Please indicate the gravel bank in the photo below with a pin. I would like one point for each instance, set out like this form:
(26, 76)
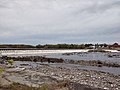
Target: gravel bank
(43, 74)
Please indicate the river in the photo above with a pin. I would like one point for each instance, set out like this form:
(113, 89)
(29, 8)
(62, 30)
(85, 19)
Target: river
(78, 55)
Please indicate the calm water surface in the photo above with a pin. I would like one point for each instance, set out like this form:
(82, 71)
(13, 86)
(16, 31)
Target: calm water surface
(113, 70)
(86, 56)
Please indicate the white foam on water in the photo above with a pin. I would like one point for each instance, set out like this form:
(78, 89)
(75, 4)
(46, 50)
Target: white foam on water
(22, 52)
(112, 50)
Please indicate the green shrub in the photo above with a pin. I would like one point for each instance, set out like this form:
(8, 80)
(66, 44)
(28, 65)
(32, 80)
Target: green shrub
(44, 87)
(11, 61)
(2, 70)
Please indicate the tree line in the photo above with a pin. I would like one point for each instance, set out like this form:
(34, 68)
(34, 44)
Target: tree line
(16, 46)
(54, 46)
(65, 46)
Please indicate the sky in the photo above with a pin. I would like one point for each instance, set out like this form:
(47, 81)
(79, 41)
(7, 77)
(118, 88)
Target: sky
(59, 21)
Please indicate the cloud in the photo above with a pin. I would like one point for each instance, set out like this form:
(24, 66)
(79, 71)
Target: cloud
(59, 21)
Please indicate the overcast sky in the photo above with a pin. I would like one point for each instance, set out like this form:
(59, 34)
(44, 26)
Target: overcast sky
(59, 21)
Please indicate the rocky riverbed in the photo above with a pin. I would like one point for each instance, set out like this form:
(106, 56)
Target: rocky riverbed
(74, 79)
(92, 78)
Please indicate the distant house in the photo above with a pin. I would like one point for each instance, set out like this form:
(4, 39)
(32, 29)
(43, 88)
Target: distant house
(115, 46)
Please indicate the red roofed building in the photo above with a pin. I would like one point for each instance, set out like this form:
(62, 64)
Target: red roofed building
(115, 46)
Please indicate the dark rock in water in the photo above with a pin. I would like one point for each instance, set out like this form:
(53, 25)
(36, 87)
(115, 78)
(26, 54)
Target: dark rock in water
(37, 59)
(24, 64)
(99, 65)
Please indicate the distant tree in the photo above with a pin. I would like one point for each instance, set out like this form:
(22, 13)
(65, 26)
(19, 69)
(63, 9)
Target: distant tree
(105, 45)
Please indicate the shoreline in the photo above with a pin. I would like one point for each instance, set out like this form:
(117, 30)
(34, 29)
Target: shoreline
(98, 63)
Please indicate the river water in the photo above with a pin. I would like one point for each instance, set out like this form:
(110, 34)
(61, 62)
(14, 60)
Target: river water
(78, 55)
(112, 70)
(87, 56)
